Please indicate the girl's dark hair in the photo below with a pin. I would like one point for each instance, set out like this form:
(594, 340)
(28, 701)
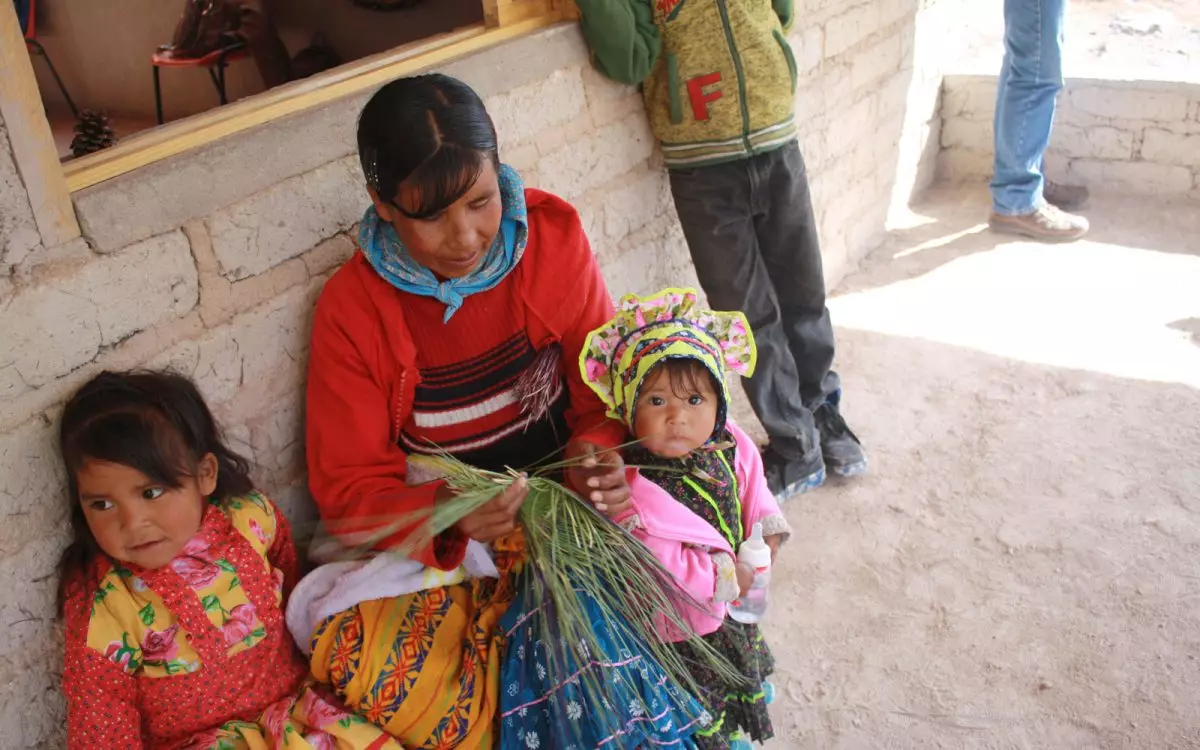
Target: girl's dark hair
(431, 131)
(152, 421)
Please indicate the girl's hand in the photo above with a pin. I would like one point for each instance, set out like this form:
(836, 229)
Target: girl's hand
(497, 517)
(600, 478)
(745, 577)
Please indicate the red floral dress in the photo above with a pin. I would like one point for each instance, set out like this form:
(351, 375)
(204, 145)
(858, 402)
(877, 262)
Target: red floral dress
(196, 654)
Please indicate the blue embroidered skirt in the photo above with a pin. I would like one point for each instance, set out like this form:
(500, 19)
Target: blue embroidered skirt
(638, 707)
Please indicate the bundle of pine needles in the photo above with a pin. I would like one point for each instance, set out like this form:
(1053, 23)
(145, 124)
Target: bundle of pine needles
(572, 549)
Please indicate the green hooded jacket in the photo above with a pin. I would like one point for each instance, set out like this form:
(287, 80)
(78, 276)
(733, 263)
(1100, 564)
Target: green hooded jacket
(718, 76)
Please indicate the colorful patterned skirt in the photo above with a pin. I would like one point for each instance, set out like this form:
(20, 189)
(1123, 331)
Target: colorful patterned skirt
(734, 708)
(425, 667)
(639, 708)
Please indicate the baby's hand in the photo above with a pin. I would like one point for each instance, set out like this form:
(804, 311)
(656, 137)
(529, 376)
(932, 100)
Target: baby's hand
(599, 476)
(774, 541)
(745, 577)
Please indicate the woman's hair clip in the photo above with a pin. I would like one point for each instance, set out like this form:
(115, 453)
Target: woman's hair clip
(370, 163)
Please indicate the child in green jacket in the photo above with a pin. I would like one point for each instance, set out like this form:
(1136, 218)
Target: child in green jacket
(719, 80)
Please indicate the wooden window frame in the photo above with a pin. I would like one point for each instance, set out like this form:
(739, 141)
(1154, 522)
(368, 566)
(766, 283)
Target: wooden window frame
(50, 182)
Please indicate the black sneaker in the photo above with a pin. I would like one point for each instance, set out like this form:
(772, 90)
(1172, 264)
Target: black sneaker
(843, 453)
(789, 477)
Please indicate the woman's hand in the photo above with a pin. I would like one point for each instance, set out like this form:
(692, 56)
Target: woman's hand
(600, 477)
(497, 517)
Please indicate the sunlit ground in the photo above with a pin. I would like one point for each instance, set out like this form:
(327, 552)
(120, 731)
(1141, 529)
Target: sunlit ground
(1124, 301)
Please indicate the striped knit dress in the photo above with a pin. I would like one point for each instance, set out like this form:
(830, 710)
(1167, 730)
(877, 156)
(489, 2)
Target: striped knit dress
(466, 402)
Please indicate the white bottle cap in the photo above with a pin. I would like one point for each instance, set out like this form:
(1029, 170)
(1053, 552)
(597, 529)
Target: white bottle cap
(754, 551)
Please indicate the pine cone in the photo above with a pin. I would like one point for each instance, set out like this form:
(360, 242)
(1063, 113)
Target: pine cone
(93, 132)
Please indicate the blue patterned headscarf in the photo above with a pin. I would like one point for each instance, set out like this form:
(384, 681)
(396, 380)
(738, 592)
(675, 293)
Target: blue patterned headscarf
(387, 255)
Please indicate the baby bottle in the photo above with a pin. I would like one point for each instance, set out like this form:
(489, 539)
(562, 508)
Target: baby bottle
(755, 553)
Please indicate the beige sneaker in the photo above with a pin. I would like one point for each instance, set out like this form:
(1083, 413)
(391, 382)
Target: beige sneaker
(1046, 224)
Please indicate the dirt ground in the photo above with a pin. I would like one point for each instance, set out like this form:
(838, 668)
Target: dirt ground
(1021, 567)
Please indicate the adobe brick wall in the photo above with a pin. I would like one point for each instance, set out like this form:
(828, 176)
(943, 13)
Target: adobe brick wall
(1131, 136)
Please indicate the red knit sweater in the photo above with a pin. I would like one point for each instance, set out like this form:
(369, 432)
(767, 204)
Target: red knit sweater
(371, 343)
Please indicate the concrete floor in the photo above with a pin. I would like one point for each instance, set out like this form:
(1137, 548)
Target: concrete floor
(1021, 568)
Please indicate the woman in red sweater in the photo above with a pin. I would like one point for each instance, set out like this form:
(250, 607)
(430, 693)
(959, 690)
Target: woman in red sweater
(448, 331)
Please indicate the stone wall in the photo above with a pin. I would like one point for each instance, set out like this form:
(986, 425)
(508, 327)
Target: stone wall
(210, 262)
(1133, 136)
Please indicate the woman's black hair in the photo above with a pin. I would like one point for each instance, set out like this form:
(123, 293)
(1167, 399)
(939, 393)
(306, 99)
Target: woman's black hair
(152, 421)
(431, 131)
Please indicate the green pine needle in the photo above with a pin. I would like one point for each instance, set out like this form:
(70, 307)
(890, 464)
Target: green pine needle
(569, 545)
(571, 548)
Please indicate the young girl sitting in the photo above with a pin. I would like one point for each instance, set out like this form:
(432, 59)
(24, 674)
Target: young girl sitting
(660, 366)
(172, 591)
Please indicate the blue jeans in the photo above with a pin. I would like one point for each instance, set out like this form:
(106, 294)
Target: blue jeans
(1030, 80)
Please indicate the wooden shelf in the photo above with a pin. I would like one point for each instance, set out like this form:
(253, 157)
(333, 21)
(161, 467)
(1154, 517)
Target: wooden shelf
(505, 20)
